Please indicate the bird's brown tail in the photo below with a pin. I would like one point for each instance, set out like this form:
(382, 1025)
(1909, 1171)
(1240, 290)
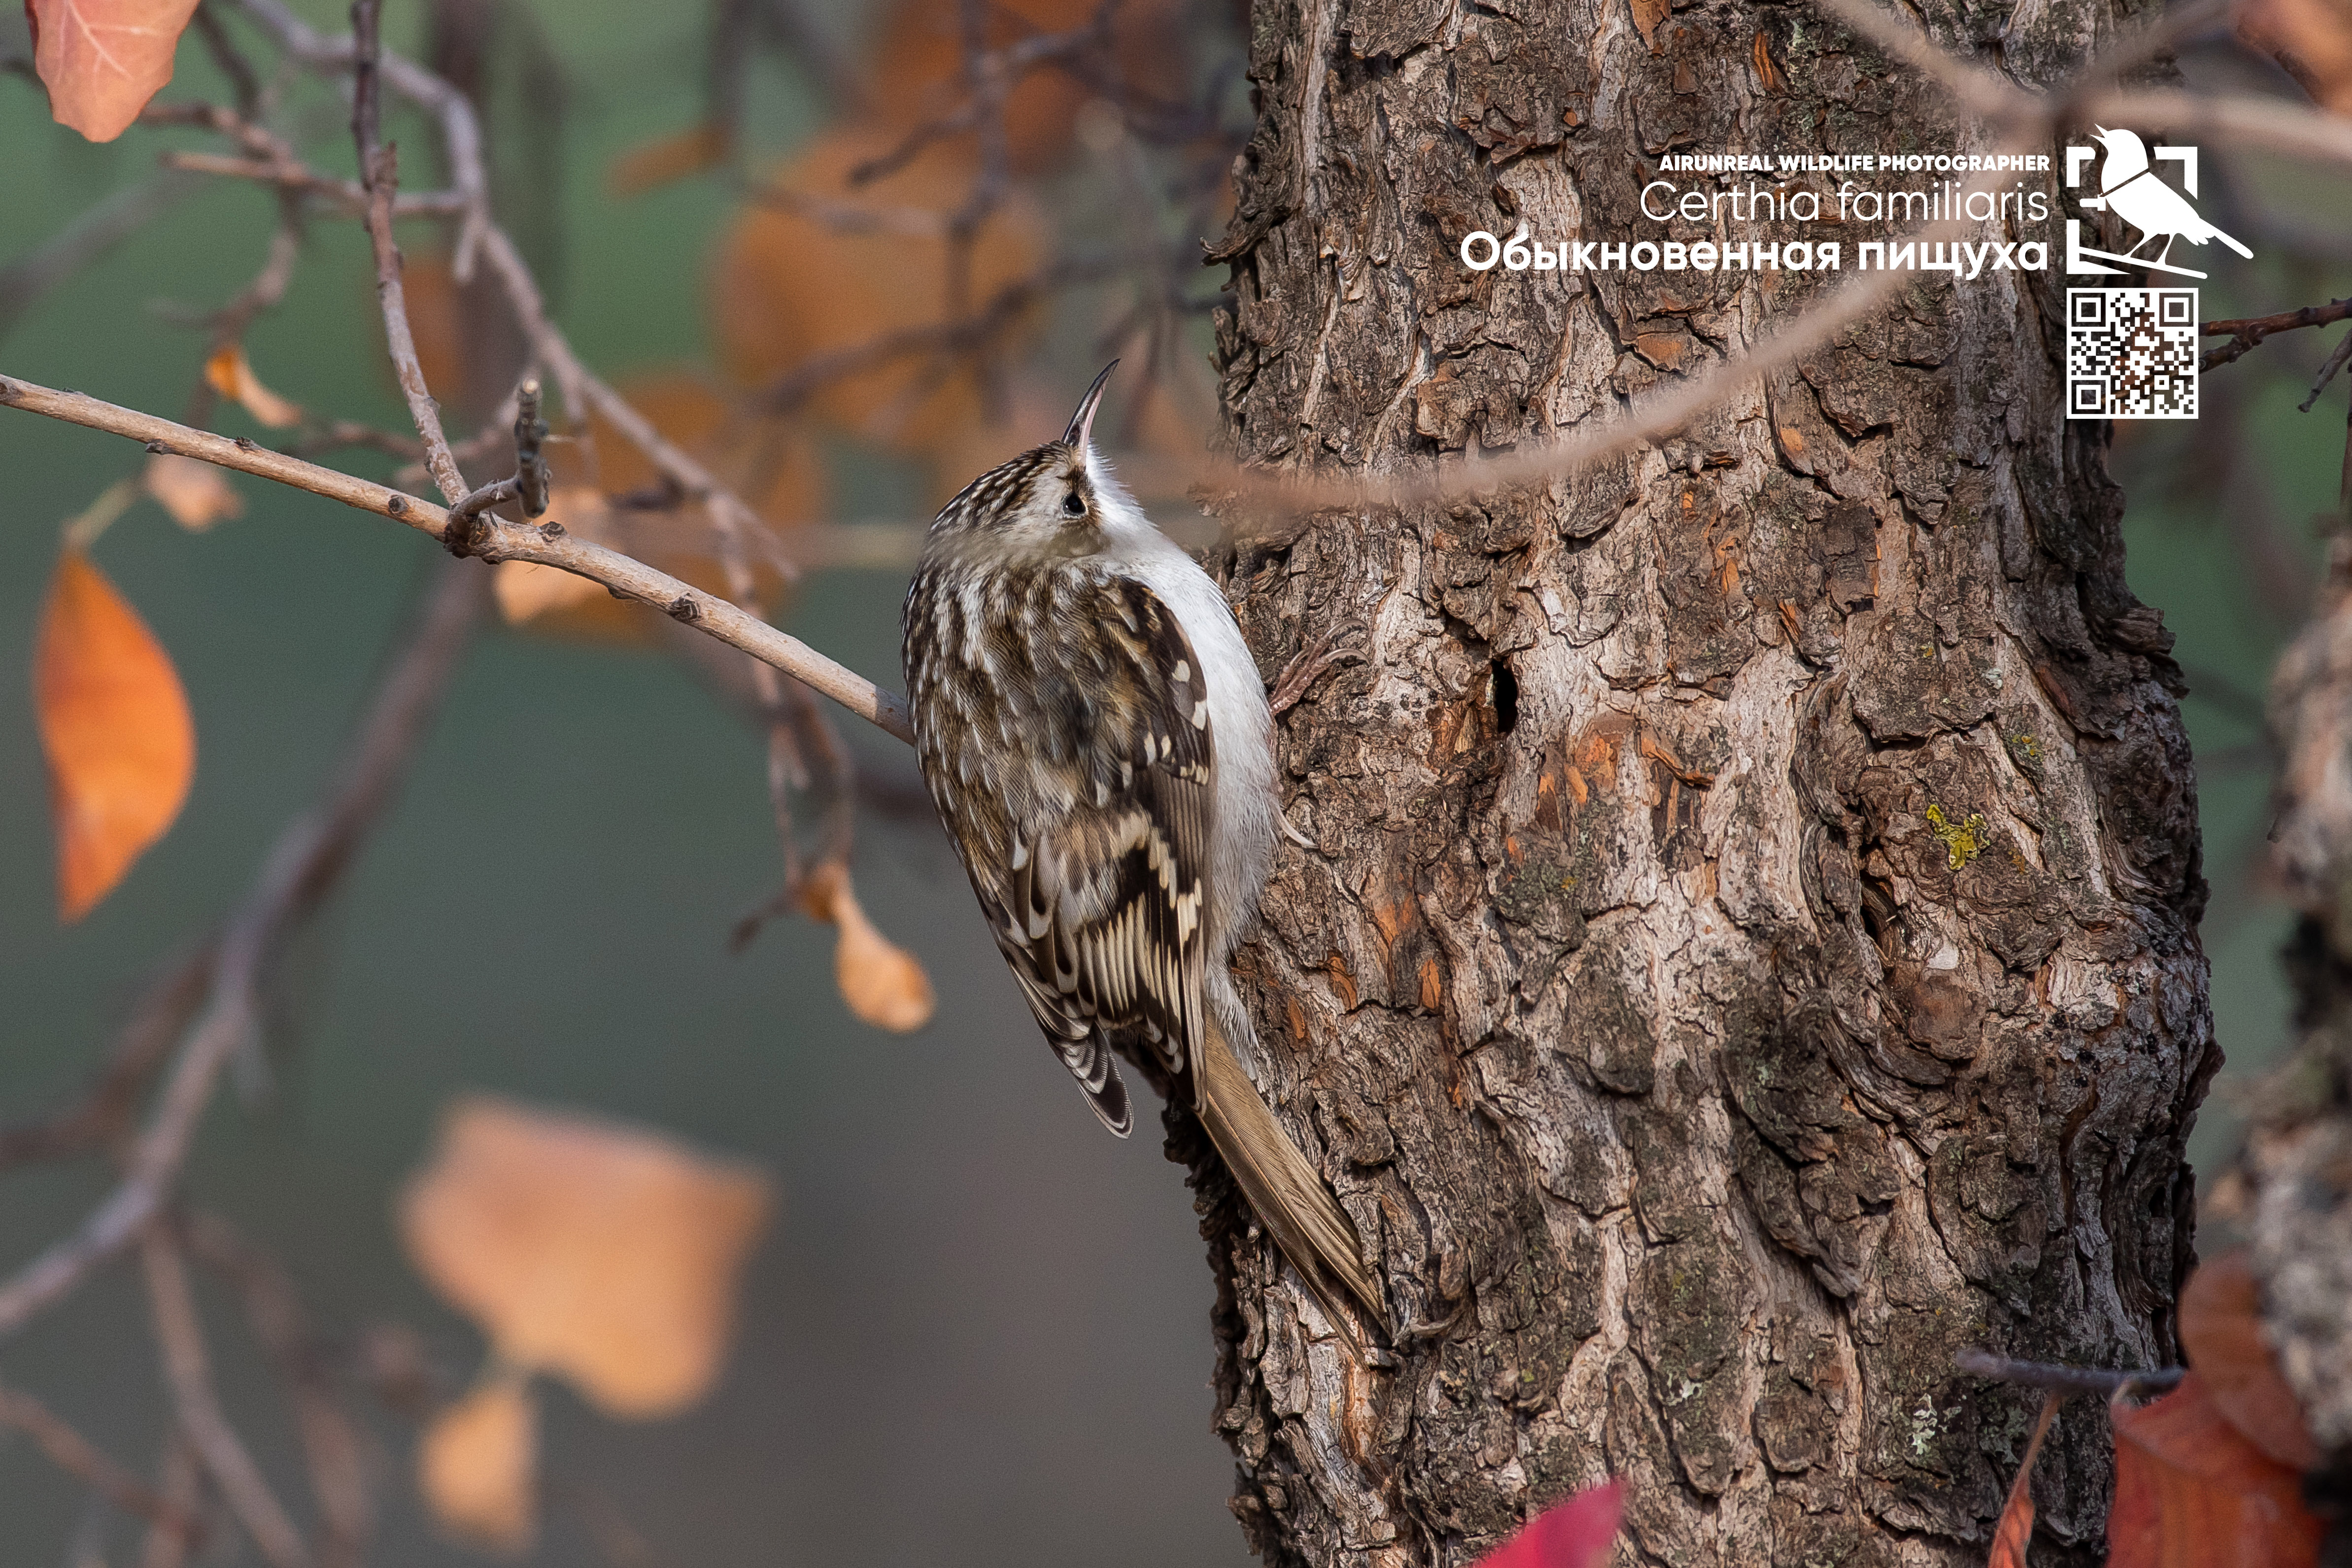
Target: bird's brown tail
(1287, 1193)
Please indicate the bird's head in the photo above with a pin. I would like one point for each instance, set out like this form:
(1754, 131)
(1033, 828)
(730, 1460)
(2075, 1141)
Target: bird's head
(1055, 499)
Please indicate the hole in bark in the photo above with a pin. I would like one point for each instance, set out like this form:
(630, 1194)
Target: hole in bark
(1879, 915)
(1505, 687)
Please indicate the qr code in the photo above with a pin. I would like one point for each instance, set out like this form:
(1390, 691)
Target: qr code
(2131, 353)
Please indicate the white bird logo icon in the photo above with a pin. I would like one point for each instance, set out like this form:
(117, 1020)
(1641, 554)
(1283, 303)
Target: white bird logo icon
(2128, 189)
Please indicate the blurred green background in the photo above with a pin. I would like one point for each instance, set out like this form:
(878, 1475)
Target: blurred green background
(977, 1332)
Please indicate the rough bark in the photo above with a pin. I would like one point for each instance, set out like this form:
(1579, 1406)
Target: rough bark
(2296, 1198)
(1748, 949)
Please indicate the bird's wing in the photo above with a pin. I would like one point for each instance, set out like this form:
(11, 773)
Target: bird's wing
(1098, 903)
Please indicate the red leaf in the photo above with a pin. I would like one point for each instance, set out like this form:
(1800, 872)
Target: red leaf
(2221, 1331)
(1573, 1534)
(2016, 1527)
(2192, 1492)
(103, 59)
(115, 728)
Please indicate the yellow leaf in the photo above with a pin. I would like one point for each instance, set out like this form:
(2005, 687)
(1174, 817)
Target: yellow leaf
(668, 159)
(195, 493)
(114, 723)
(880, 980)
(103, 59)
(597, 1251)
(232, 376)
(476, 1465)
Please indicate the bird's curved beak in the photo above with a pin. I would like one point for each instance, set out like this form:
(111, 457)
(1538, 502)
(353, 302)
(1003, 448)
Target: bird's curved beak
(1082, 424)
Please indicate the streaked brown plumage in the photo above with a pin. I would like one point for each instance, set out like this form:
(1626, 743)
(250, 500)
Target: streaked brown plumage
(1097, 744)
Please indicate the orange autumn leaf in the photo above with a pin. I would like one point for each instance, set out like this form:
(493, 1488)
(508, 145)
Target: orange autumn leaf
(103, 59)
(669, 158)
(435, 320)
(2016, 1527)
(603, 1253)
(477, 1467)
(2222, 1331)
(882, 982)
(114, 723)
(232, 376)
(195, 493)
(920, 55)
(889, 277)
(2192, 1492)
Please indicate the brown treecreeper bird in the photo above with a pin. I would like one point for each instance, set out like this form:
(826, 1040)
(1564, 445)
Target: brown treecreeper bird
(1098, 743)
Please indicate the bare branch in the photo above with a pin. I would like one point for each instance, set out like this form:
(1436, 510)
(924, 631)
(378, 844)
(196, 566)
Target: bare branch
(72, 1453)
(2246, 333)
(2248, 121)
(139, 1050)
(330, 1441)
(182, 1484)
(380, 173)
(583, 390)
(2066, 1378)
(187, 1369)
(461, 132)
(498, 540)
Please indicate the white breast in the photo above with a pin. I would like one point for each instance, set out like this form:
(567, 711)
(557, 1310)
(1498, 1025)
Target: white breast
(1241, 727)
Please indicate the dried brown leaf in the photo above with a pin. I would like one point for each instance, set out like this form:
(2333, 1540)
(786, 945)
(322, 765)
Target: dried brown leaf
(2192, 1492)
(668, 159)
(195, 493)
(232, 376)
(103, 59)
(881, 982)
(2016, 1527)
(2222, 1331)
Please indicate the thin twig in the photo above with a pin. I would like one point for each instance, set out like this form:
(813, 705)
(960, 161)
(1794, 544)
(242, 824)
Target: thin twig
(243, 79)
(380, 173)
(74, 1454)
(498, 540)
(461, 130)
(183, 1488)
(302, 177)
(527, 485)
(2328, 372)
(585, 391)
(2246, 333)
(332, 1444)
(2064, 1379)
(142, 1048)
(187, 1370)
(302, 868)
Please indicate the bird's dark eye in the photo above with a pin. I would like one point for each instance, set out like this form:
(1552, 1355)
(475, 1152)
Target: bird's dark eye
(1074, 505)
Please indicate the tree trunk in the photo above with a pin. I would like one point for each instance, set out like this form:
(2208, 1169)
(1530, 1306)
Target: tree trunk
(2294, 1188)
(1748, 949)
